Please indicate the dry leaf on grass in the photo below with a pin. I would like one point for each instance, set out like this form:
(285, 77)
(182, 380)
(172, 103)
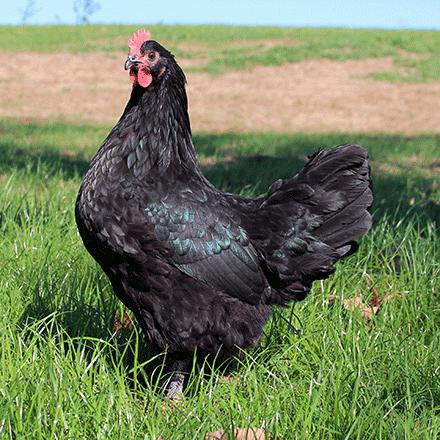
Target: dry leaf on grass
(239, 434)
(391, 296)
(125, 322)
(367, 310)
(356, 303)
(375, 301)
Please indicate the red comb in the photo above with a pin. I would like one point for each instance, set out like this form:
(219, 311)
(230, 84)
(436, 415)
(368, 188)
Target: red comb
(138, 38)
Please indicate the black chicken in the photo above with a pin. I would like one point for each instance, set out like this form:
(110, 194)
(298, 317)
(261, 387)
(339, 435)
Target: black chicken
(201, 268)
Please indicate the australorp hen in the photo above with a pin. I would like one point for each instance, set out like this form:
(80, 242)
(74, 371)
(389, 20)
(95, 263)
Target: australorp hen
(201, 268)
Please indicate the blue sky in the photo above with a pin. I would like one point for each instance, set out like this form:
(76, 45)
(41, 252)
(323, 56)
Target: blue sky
(419, 14)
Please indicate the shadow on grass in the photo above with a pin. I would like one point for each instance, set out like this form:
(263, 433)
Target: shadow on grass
(41, 159)
(401, 190)
(395, 195)
(85, 305)
(249, 163)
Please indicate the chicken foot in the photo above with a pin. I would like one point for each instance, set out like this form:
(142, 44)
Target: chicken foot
(174, 384)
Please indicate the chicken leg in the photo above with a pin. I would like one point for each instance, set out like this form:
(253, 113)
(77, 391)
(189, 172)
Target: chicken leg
(174, 384)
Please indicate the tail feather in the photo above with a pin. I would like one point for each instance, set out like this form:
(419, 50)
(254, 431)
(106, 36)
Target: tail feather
(347, 224)
(315, 218)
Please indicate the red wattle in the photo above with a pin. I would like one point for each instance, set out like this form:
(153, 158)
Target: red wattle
(132, 77)
(144, 78)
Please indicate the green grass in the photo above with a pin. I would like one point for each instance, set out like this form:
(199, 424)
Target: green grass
(416, 53)
(321, 371)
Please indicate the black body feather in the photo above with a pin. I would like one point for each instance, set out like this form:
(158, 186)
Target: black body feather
(201, 268)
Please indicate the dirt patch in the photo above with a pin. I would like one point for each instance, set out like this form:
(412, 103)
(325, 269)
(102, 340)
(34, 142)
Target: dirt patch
(267, 43)
(186, 63)
(313, 95)
(412, 55)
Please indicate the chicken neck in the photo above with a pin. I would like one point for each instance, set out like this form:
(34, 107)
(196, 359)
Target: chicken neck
(156, 127)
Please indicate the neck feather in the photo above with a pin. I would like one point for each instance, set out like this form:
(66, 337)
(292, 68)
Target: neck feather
(155, 128)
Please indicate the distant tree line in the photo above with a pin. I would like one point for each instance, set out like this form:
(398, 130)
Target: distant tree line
(83, 10)
(28, 11)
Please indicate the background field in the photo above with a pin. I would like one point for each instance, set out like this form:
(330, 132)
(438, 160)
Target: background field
(236, 47)
(322, 371)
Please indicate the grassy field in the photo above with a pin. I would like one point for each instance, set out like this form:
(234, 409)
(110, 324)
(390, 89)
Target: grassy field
(221, 48)
(322, 371)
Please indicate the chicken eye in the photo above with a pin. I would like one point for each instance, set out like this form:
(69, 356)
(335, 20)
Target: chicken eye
(151, 56)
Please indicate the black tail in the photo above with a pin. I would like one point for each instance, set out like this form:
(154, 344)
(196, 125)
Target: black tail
(344, 177)
(316, 218)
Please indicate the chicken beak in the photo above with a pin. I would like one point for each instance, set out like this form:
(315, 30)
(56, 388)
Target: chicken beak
(132, 60)
(129, 63)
